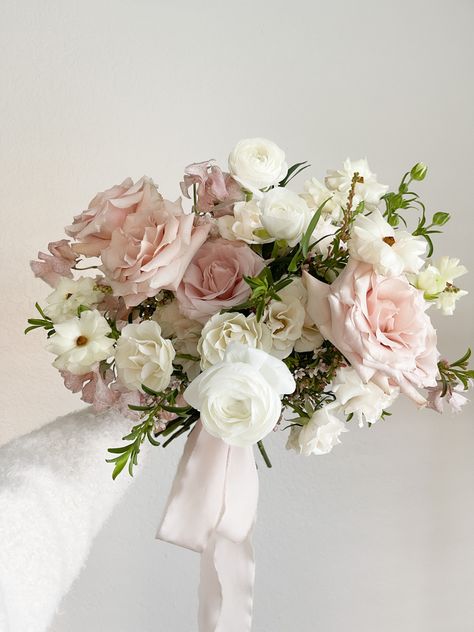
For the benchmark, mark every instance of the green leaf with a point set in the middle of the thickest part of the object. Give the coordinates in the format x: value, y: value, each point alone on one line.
x: 440, y: 218
x: 293, y: 171
x: 311, y: 226
x: 150, y: 391
x: 121, y: 450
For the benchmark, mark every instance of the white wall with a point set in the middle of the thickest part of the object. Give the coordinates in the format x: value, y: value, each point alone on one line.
x: 378, y: 535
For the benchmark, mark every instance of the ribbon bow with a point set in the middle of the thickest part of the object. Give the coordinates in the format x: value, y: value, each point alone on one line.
x: 211, y: 510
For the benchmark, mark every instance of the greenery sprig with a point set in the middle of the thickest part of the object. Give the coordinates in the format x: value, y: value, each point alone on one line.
x: 455, y: 373
x: 40, y: 323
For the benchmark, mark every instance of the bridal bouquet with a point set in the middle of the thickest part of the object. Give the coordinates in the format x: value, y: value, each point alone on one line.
x: 252, y: 307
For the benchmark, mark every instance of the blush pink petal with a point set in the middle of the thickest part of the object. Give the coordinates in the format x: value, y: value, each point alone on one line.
x: 379, y: 324
x: 58, y: 264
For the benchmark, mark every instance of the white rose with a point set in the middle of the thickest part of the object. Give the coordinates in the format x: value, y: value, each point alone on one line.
x: 370, y: 191
x: 315, y: 193
x: 223, y: 329
x: 184, y: 333
x: 68, y: 295
x: 143, y: 356
x: 257, y: 163
x: 239, y: 398
x: 365, y: 400
x: 319, y: 435
x: 245, y: 224
x: 80, y: 342
x: 286, y: 318
x: 391, y: 252
x: 285, y: 215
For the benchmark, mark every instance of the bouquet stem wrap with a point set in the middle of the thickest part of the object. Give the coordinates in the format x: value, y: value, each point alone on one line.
x: 211, y: 510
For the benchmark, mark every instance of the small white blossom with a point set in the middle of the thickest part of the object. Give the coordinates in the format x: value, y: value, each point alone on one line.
x: 80, y: 342
x: 436, y: 281
x: 223, y: 329
x: 323, y: 235
x: 245, y: 224
x: 391, y: 252
x: 365, y: 400
x: 69, y: 294
x: 446, y: 301
x: 319, y: 435
x: 315, y: 193
x: 369, y: 191
x: 257, y: 163
x: 285, y: 215
x: 143, y: 356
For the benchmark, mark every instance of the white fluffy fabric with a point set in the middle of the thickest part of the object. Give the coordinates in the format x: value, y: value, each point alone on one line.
x: 56, y: 491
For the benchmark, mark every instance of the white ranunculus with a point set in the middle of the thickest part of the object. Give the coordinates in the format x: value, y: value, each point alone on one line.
x: 184, y: 334
x: 245, y: 224
x: 365, y: 400
x: 369, y: 191
x: 315, y: 193
x: 286, y: 318
x: 239, y: 398
x: 391, y: 252
x: 69, y: 294
x: 143, y: 356
x: 285, y: 215
x: 257, y: 163
x: 223, y: 329
x: 319, y: 435
x: 80, y: 342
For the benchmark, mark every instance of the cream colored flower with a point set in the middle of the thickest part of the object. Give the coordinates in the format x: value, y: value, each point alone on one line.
x: 224, y: 329
x: 319, y: 435
x: 80, y: 342
x: 245, y: 224
x: 285, y: 215
x: 69, y: 294
x: 143, y: 356
x: 369, y: 191
x: 286, y: 318
x: 257, y: 163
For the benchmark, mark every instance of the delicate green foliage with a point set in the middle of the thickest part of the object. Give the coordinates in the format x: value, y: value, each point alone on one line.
x: 456, y: 373
x: 40, y: 323
x: 426, y: 230
x: 264, y: 454
x: 293, y: 171
x: 305, y: 244
x: 264, y: 289
x: 150, y: 428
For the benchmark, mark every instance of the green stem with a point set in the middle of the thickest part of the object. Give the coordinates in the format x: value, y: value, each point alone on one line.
x: 264, y: 454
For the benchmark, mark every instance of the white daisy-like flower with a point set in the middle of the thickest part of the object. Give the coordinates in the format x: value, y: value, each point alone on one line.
x: 80, y: 342
x: 391, y: 252
x: 68, y: 295
x: 368, y: 191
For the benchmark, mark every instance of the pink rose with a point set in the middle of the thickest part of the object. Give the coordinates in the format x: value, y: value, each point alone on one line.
x: 215, y: 278
x: 58, y: 264
x: 380, y: 326
x: 151, y: 251
x: 93, y: 228
x: 216, y: 191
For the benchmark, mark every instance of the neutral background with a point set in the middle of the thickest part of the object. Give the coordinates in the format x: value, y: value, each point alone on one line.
x: 378, y: 535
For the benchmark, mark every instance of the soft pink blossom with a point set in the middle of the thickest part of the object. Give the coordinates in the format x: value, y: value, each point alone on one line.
x: 215, y: 278
x: 151, y: 251
x: 453, y: 397
x: 379, y: 324
x: 216, y: 191
x: 95, y: 387
x: 58, y: 264
x: 108, y: 211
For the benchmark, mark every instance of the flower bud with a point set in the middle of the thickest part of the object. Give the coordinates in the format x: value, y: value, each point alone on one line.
x: 419, y: 171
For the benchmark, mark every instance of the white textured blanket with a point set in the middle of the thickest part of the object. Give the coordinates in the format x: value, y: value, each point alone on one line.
x: 56, y: 491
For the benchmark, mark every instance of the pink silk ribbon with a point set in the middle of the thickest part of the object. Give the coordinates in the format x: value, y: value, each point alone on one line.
x: 212, y: 510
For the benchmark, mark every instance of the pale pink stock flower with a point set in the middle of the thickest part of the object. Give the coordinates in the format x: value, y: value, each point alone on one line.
x: 151, y: 251
x: 94, y: 386
x: 216, y: 191
x: 379, y: 324
x: 214, y: 279
x: 58, y: 264
x: 108, y: 211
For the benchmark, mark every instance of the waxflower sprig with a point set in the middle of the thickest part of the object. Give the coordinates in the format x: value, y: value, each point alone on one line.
x: 252, y: 305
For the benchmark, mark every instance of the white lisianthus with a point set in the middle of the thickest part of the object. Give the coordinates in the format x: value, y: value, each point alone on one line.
x: 391, y: 252
x: 69, y: 294
x: 365, y: 400
x: 257, y: 163
x: 315, y: 193
x: 436, y: 281
x: 224, y: 329
x: 285, y: 215
x: 245, y: 224
x: 286, y: 318
x: 184, y: 334
x: 143, y: 356
x: 80, y: 342
x: 239, y: 398
x: 319, y: 435
x: 369, y: 191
